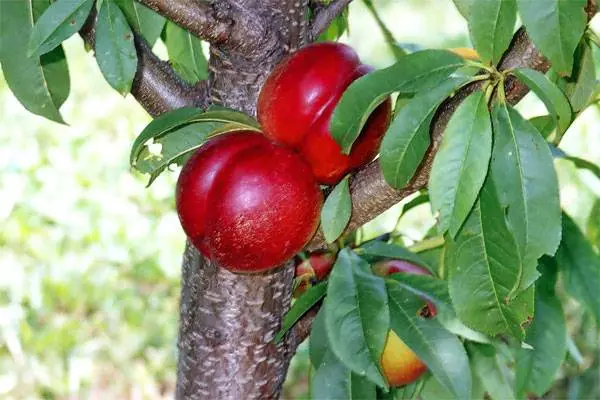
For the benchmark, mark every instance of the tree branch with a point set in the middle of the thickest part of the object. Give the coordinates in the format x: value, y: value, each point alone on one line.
x: 198, y: 17
x: 155, y: 86
x: 325, y: 15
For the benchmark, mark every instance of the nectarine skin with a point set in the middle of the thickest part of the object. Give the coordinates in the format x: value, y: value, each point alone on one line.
x: 315, y: 268
x: 297, y: 101
x: 400, y: 364
x: 247, y: 202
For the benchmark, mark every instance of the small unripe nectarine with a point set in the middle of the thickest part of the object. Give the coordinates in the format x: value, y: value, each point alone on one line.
x: 312, y: 270
x: 400, y: 364
x: 247, y: 202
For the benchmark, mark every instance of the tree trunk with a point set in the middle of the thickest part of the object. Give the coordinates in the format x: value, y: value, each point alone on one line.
x: 228, y: 320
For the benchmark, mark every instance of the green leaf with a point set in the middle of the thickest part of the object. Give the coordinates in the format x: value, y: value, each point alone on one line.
x: 185, y: 54
x: 356, y: 333
x: 544, y: 124
x: 593, y: 225
x: 59, y: 22
x: 143, y: 20
x: 422, y: 70
x: 555, y: 26
x: 407, y: 139
x: 579, y: 162
x: 580, y: 85
x: 436, y: 291
x: 555, y: 100
x: 580, y: 266
x: 378, y: 250
x: 115, y: 50
x: 301, y: 307
x: 180, y: 132
x: 440, y: 350
x: 484, y: 267
x: 334, y: 381
x: 336, y: 29
x: 537, y: 368
x: 336, y: 211
x: 492, y: 370
x: 491, y: 25
x: 461, y: 164
x: 388, y: 36
x: 464, y: 7
x: 318, y: 343
x: 524, y: 175
x: 41, y: 84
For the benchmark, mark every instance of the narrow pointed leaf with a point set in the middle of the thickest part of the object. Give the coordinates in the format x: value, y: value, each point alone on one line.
x: 524, y: 175
x: 336, y: 211
x: 464, y: 7
x: 484, y: 266
x: 357, y: 334
x: 439, y: 349
x: 555, y: 100
x: 593, y: 225
x: 318, y: 343
x: 580, y: 267
x: 418, y: 71
x: 143, y: 20
x: 436, y: 291
x: 537, y: 368
x: 59, y: 22
x: 407, y: 139
x: 580, y: 85
x: 185, y: 54
x: 334, y: 381
x: 491, y: 25
x: 115, y: 50
x: 555, y: 26
x: 301, y: 307
x: 41, y: 84
x: 378, y: 249
x: 545, y: 125
x: 492, y: 370
x: 461, y: 164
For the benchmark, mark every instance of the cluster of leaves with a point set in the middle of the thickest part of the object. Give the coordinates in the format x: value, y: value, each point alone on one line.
x: 34, y: 63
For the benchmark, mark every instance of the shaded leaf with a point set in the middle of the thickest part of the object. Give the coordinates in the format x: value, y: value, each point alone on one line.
x: 492, y: 370
x: 440, y: 350
x: 555, y: 28
x: 537, y: 368
x: 461, y: 164
x: 336, y: 211
x: 143, y: 20
x: 318, y: 343
x: 115, y: 50
x: 333, y: 381
x: 41, y: 84
x: 301, y: 307
x: 580, y: 266
x: 491, y: 25
x: 555, y: 100
x: 185, y: 54
x: 407, y: 139
x: 524, y: 175
x: 357, y: 334
x: 593, y: 225
x: 418, y: 71
x: 59, y: 22
x: 544, y: 124
x: 580, y: 85
x: 484, y: 266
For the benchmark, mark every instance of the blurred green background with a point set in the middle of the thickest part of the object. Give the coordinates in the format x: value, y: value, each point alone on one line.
x: 90, y: 258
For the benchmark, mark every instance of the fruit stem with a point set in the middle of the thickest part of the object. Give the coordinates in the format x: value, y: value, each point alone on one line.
x: 427, y: 244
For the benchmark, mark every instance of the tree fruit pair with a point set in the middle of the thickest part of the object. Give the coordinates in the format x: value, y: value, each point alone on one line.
x: 251, y: 204
x: 313, y: 269
x: 297, y: 101
x: 400, y: 364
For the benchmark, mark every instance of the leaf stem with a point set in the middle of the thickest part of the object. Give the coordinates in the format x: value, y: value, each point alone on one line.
x: 427, y: 244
